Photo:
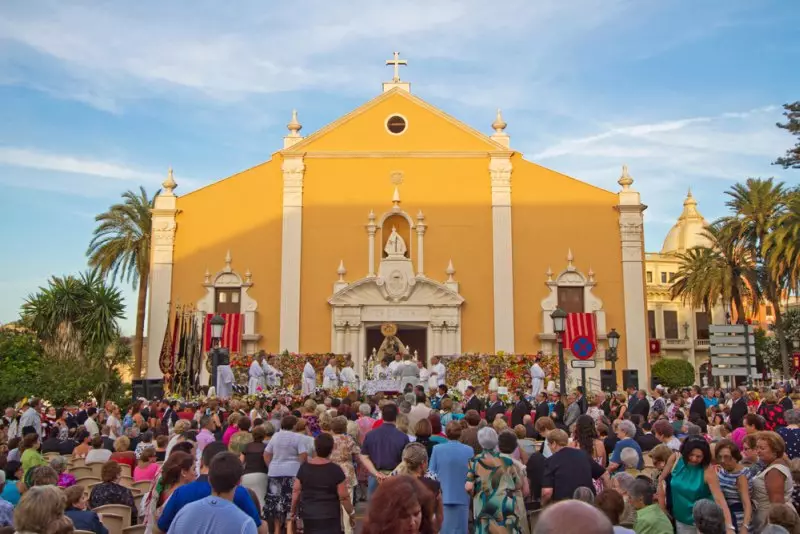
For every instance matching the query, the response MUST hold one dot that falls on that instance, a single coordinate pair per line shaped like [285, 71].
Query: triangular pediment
[428, 129]
[367, 292]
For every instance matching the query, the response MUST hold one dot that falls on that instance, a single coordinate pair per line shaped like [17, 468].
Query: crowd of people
[424, 460]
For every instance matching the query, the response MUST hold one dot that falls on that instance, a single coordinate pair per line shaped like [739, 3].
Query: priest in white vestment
[309, 379]
[272, 377]
[424, 375]
[394, 364]
[347, 375]
[438, 371]
[537, 378]
[330, 376]
[255, 376]
[379, 372]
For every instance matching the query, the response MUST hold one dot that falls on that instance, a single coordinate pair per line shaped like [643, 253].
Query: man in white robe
[397, 362]
[255, 376]
[309, 379]
[537, 378]
[379, 372]
[438, 371]
[348, 375]
[330, 376]
[272, 377]
[424, 376]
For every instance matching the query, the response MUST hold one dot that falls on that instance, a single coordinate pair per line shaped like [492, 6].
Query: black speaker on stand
[138, 389]
[630, 378]
[608, 380]
[154, 388]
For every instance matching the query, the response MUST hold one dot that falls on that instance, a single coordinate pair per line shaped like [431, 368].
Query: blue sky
[99, 97]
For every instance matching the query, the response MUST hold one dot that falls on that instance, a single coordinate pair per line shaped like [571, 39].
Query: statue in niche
[395, 246]
[392, 349]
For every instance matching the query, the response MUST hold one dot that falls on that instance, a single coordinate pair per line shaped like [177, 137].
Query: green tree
[74, 315]
[782, 245]
[120, 248]
[76, 320]
[758, 205]
[674, 373]
[723, 270]
[792, 125]
[701, 279]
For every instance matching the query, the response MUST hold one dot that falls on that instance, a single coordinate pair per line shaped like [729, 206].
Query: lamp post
[559, 318]
[613, 343]
[217, 325]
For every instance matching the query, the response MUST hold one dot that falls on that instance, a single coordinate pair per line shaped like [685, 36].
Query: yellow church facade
[398, 212]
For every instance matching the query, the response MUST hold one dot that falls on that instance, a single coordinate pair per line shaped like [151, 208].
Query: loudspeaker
[154, 388]
[654, 381]
[608, 380]
[138, 388]
[630, 378]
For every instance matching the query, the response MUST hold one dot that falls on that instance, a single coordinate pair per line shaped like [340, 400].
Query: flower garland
[511, 370]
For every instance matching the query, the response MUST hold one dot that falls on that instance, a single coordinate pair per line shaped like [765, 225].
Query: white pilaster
[631, 225]
[500, 172]
[291, 250]
[420, 242]
[371, 229]
[340, 328]
[436, 329]
[162, 247]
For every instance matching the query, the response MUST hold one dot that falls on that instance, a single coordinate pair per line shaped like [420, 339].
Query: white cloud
[37, 159]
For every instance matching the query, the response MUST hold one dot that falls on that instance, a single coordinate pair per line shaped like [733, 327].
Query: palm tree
[74, 316]
[700, 280]
[758, 205]
[783, 244]
[120, 248]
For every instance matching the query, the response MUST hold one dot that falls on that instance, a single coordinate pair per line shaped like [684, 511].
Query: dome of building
[688, 232]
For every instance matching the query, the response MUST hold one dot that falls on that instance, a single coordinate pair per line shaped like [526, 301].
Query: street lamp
[218, 356]
[613, 343]
[559, 318]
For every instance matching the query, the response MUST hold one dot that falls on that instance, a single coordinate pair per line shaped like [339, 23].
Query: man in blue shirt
[382, 450]
[217, 513]
[626, 431]
[201, 488]
[449, 462]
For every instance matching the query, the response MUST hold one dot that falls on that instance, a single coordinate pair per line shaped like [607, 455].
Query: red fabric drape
[231, 333]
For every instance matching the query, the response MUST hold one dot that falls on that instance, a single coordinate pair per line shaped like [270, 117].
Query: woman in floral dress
[492, 481]
[345, 452]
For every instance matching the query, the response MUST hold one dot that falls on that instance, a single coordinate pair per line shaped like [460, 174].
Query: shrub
[674, 373]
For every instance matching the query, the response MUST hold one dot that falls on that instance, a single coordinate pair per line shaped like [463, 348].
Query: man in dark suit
[642, 406]
[520, 410]
[738, 409]
[580, 398]
[473, 402]
[496, 407]
[698, 405]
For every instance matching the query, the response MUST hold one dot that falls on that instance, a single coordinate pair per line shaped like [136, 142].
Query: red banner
[580, 325]
[231, 332]
[655, 346]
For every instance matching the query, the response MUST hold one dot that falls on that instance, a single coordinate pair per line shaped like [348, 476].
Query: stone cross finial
[499, 124]
[396, 62]
[294, 125]
[450, 271]
[169, 184]
[625, 180]
[396, 199]
[228, 262]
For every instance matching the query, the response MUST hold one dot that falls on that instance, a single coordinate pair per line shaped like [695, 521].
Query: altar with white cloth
[371, 387]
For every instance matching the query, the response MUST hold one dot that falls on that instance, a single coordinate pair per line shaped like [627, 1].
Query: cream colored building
[681, 330]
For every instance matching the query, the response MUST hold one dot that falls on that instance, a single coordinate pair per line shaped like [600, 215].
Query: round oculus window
[396, 124]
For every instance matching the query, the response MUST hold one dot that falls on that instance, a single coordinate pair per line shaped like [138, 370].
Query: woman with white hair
[491, 479]
[791, 433]
[65, 480]
[708, 517]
